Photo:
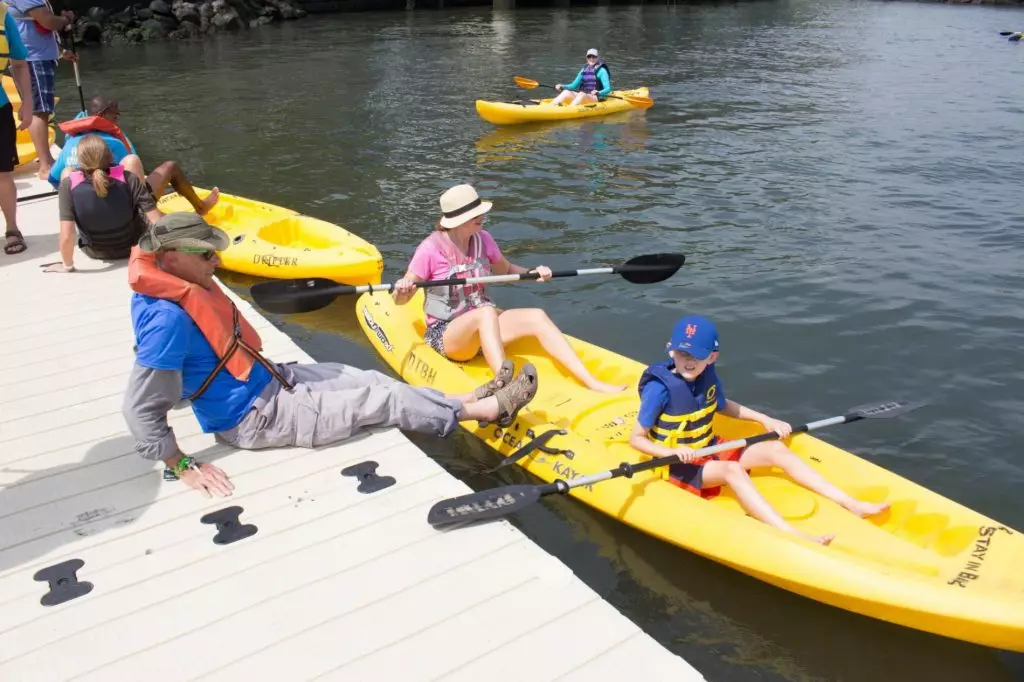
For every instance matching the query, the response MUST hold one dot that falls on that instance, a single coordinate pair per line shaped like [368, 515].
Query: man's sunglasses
[206, 253]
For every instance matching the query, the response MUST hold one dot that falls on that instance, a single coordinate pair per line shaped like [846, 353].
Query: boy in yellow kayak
[592, 84]
[678, 403]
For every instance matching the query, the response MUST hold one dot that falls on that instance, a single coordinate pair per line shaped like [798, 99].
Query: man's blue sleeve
[162, 334]
[15, 46]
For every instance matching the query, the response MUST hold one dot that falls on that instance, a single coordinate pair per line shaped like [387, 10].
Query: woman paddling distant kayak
[593, 82]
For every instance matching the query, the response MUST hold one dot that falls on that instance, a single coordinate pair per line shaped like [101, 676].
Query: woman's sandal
[514, 397]
[504, 376]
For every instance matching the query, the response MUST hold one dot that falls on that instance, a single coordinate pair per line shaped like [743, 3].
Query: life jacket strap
[237, 343]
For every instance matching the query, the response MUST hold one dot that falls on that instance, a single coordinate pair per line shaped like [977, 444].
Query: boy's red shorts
[691, 476]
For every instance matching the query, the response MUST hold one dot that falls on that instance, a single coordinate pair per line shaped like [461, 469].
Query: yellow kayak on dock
[26, 150]
[510, 113]
[271, 241]
[927, 563]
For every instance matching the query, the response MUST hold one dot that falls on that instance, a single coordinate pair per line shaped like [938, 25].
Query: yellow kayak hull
[279, 243]
[511, 113]
[928, 563]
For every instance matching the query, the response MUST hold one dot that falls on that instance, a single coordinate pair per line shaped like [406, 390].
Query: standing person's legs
[13, 242]
[43, 75]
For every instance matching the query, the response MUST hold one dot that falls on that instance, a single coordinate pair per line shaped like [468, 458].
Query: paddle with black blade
[305, 295]
[498, 502]
[529, 84]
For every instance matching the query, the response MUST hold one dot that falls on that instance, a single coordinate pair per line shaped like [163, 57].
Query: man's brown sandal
[514, 397]
[504, 376]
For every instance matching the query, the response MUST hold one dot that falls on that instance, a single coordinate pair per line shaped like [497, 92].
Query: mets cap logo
[691, 329]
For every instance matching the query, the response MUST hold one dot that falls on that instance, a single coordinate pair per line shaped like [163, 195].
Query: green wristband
[184, 463]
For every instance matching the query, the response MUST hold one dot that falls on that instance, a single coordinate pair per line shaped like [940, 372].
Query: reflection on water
[625, 131]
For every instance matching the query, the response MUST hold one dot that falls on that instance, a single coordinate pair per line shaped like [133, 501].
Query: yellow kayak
[508, 113]
[26, 150]
[927, 563]
[271, 241]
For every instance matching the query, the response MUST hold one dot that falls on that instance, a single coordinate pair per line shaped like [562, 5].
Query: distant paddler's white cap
[592, 52]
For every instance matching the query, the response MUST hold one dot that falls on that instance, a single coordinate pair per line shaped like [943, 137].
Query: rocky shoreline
[182, 20]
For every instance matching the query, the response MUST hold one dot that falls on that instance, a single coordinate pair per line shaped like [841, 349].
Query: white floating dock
[334, 585]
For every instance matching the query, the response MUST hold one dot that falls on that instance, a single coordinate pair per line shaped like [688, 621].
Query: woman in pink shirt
[461, 320]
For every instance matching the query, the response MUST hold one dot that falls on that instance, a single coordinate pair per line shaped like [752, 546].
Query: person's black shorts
[8, 139]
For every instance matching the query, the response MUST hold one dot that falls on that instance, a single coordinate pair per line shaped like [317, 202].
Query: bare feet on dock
[210, 201]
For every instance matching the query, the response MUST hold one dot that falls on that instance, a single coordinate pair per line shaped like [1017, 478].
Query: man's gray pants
[331, 401]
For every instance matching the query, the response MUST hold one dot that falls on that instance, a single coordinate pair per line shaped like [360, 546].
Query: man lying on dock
[193, 343]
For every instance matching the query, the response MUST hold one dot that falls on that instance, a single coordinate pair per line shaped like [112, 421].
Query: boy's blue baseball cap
[695, 335]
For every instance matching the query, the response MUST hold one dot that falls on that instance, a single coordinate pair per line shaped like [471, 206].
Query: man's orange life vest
[218, 319]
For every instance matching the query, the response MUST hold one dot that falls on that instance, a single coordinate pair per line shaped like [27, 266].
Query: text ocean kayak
[271, 241]
[928, 563]
[508, 113]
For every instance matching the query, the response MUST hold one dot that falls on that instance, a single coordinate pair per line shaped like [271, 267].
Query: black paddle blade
[487, 504]
[651, 267]
[896, 408]
[296, 295]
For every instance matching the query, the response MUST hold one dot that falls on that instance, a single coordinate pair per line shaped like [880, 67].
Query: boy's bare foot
[864, 509]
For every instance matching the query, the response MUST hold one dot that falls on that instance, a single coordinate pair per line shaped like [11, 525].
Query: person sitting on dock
[101, 118]
[193, 343]
[593, 83]
[678, 403]
[107, 206]
[462, 322]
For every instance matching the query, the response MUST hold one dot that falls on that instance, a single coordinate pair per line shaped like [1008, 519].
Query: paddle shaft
[490, 279]
[78, 80]
[626, 469]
